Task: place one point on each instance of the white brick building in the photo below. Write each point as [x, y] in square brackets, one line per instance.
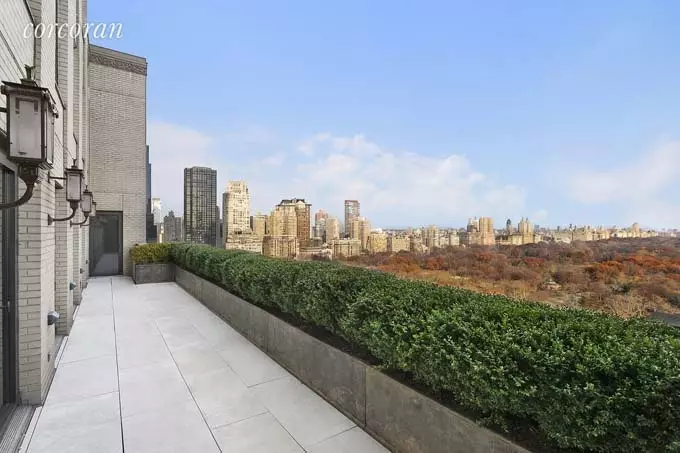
[101, 127]
[117, 100]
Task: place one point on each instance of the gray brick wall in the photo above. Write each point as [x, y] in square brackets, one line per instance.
[48, 255]
[117, 140]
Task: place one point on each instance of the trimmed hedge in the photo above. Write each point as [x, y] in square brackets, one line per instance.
[150, 253]
[585, 381]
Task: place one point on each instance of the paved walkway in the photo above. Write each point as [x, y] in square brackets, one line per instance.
[149, 369]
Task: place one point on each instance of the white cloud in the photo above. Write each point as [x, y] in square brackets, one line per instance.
[539, 216]
[400, 188]
[250, 134]
[639, 180]
[171, 149]
[394, 188]
[646, 189]
[273, 160]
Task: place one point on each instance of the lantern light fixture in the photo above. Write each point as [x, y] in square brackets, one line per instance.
[88, 206]
[74, 190]
[30, 111]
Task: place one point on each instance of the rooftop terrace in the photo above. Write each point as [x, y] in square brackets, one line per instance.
[149, 369]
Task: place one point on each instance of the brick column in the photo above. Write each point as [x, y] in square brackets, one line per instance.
[36, 267]
[76, 257]
[64, 265]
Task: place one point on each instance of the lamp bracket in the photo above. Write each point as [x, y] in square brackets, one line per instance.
[81, 223]
[30, 176]
[51, 219]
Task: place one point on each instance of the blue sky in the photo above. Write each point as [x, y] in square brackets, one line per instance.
[425, 111]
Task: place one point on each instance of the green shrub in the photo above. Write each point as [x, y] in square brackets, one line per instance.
[150, 253]
[585, 381]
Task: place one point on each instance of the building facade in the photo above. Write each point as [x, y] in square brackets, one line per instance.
[332, 230]
[344, 248]
[281, 246]
[320, 218]
[156, 210]
[172, 228]
[117, 164]
[46, 265]
[352, 210]
[396, 244]
[377, 242]
[258, 224]
[236, 206]
[200, 194]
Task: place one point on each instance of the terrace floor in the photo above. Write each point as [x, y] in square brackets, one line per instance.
[149, 369]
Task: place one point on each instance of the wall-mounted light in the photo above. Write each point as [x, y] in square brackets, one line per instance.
[30, 113]
[74, 190]
[88, 206]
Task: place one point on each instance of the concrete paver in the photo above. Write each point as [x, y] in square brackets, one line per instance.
[149, 369]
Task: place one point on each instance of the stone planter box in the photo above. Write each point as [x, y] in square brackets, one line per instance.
[402, 419]
[153, 273]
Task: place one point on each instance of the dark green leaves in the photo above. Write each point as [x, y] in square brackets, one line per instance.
[586, 381]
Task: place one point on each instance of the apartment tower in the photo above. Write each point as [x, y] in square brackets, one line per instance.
[351, 211]
[236, 206]
[200, 199]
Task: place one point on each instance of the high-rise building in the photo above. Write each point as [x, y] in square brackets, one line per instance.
[156, 210]
[219, 242]
[479, 232]
[281, 246]
[258, 224]
[151, 230]
[200, 199]
[431, 236]
[397, 244]
[332, 229]
[343, 248]
[352, 210]
[283, 220]
[303, 213]
[320, 218]
[377, 242]
[363, 230]
[236, 206]
[172, 228]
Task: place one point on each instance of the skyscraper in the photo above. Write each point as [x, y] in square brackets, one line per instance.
[236, 206]
[151, 230]
[258, 223]
[200, 199]
[332, 229]
[172, 228]
[303, 212]
[219, 241]
[156, 210]
[351, 211]
[320, 218]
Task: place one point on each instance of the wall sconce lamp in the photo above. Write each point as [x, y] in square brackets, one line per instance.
[88, 207]
[74, 190]
[30, 113]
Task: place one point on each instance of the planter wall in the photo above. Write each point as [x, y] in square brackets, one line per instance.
[153, 273]
[404, 420]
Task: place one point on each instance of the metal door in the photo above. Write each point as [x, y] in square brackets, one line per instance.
[106, 243]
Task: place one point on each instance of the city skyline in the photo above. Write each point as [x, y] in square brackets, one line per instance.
[340, 214]
[565, 114]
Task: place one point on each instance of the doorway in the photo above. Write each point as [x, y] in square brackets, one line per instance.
[106, 243]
